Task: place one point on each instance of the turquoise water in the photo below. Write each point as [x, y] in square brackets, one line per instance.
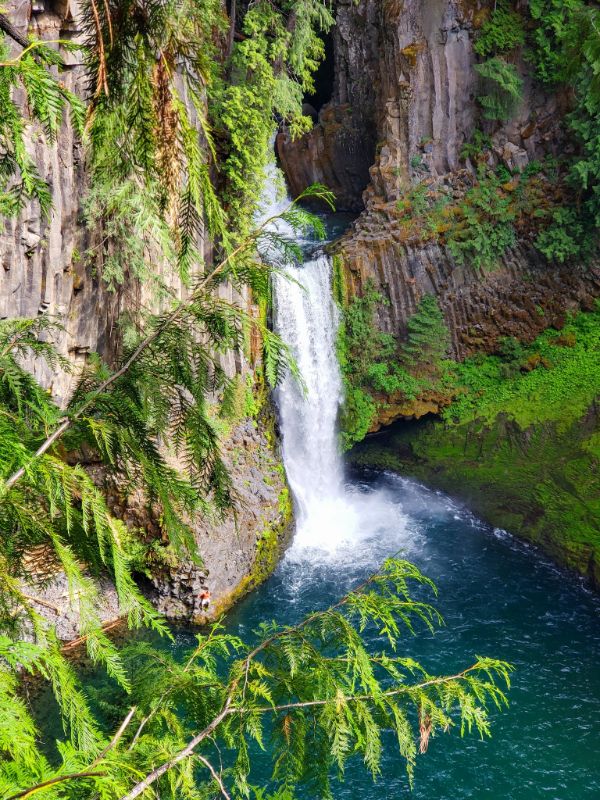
[498, 598]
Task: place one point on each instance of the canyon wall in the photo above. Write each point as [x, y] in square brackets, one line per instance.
[405, 92]
[405, 99]
[54, 266]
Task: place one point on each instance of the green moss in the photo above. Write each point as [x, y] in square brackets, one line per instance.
[564, 380]
[522, 449]
[540, 483]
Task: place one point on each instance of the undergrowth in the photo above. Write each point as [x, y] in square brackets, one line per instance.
[554, 379]
[497, 209]
[375, 366]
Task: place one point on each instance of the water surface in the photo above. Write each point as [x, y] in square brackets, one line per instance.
[498, 598]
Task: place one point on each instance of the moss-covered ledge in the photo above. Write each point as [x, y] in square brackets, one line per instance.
[540, 482]
[270, 544]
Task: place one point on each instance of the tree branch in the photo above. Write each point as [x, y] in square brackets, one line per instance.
[10, 30]
[361, 697]
[215, 775]
[114, 741]
[61, 779]
[228, 709]
[187, 751]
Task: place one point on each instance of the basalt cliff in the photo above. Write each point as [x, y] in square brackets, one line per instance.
[53, 265]
[398, 111]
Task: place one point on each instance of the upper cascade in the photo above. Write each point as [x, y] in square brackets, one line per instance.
[307, 319]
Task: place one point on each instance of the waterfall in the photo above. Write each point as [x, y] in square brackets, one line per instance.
[306, 318]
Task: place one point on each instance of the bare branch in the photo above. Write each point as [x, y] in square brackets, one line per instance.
[113, 742]
[8, 28]
[187, 751]
[215, 775]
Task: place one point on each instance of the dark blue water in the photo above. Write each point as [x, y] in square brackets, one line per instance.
[499, 598]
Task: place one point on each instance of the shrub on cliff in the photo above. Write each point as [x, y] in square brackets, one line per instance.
[483, 227]
[376, 368]
[502, 32]
[564, 46]
[501, 88]
[428, 337]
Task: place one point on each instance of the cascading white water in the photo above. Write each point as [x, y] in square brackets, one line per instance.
[330, 519]
[307, 320]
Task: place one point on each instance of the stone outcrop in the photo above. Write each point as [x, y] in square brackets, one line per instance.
[341, 148]
[238, 550]
[521, 297]
[241, 549]
[405, 88]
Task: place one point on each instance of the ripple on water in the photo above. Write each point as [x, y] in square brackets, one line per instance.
[498, 597]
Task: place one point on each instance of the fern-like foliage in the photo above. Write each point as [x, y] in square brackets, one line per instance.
[152, 407]
[312, 695]
[565, 49]
[47, 101]
[502, 88]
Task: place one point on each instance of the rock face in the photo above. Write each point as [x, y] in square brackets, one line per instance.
[238, 550]
[341, 148]
[241, 549]
[44, 270]
[521, 297]
[405, 78]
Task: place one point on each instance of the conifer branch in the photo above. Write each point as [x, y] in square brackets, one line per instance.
[229, 709]
[359, 698]
[174, 316]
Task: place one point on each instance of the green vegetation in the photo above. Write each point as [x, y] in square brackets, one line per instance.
[502, 88]
[561, 41]
[427, 339]
[554, 379]
[47, 100]
[501, 32]
[554, 27]
[374, 367]
[314, 690]
[501, 35]
[565, 49]
[170, 149]
[480, 226]
[485, 226]
[520, 442]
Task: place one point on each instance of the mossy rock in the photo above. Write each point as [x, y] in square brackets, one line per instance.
[541, 483]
